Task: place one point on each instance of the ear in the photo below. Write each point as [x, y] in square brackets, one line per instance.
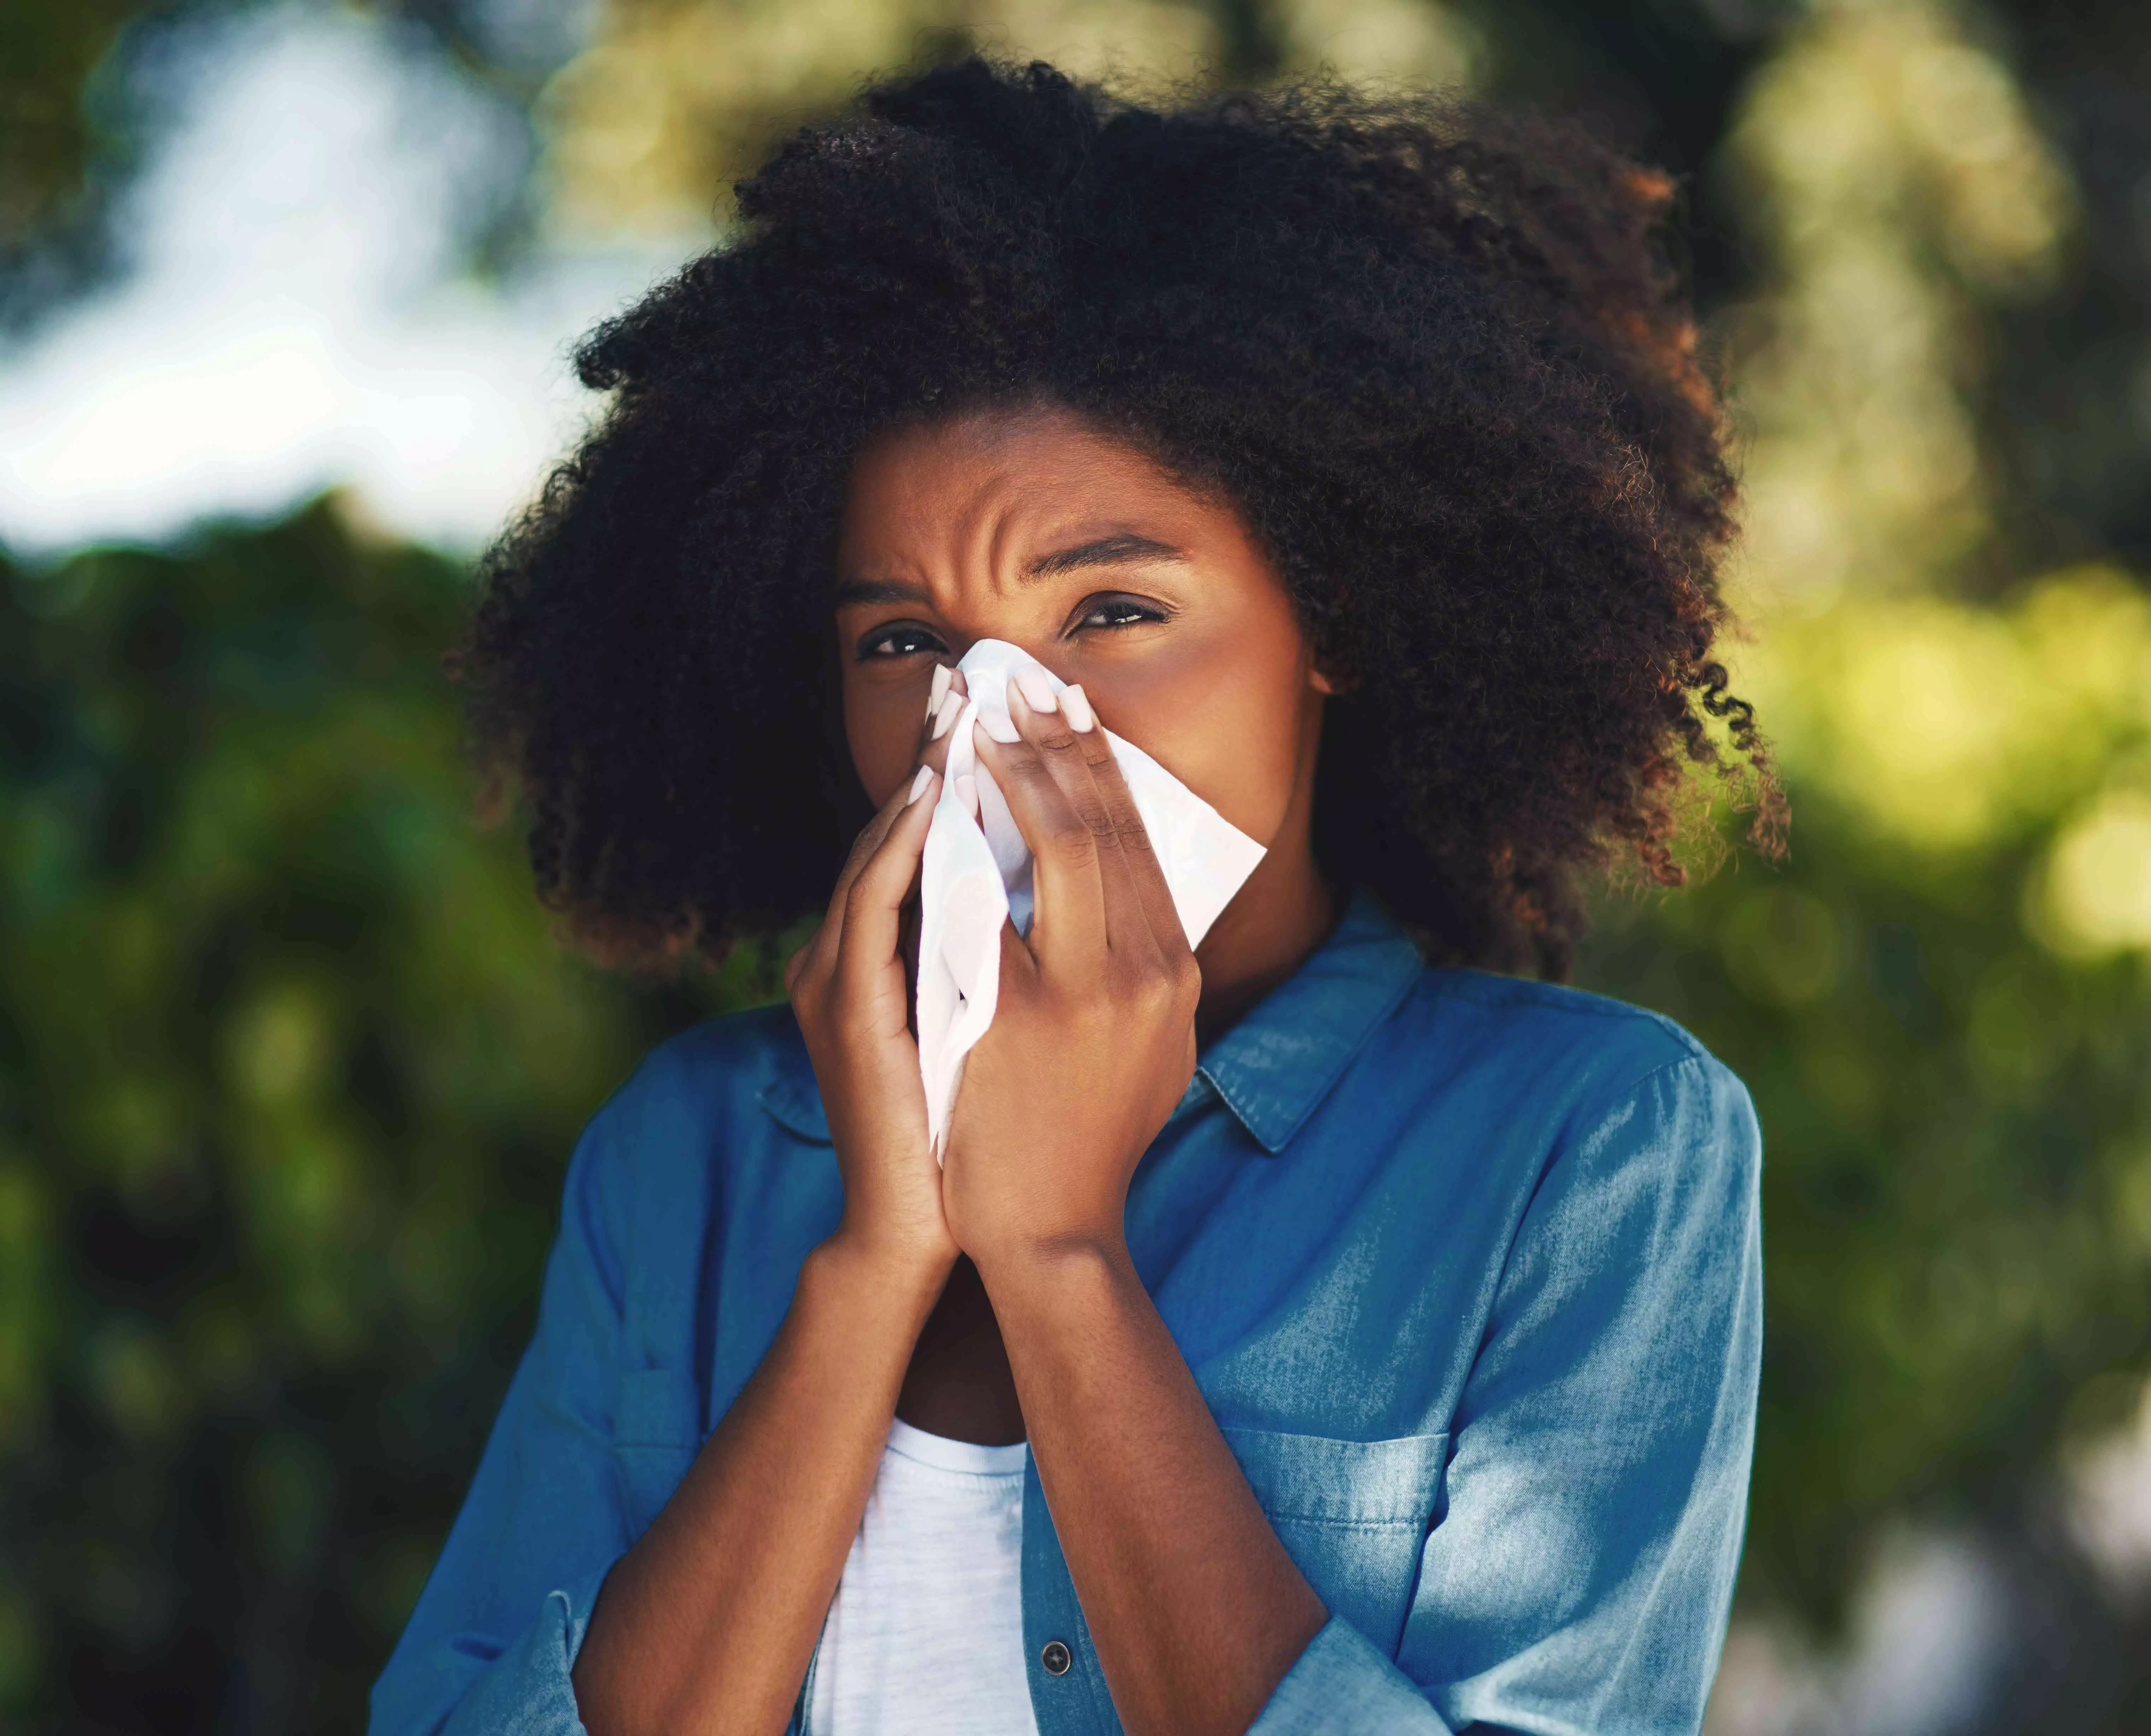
[1322, 681]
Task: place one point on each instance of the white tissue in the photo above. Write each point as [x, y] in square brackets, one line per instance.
[977, 873]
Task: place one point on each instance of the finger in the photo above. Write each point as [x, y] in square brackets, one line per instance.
[795, 965]
[1145, 872]
[1019, 966]
[831, 935]
[875, 901]
[944, 701]
[1060, 749]
[1069, 899]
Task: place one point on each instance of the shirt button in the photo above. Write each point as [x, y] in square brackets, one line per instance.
[1056, 1658]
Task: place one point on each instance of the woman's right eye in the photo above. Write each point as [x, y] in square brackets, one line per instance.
[899, 639]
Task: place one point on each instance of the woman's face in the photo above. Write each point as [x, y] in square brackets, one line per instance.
[1028, 526]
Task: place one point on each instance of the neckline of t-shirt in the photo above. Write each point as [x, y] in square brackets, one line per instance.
[943, 1453]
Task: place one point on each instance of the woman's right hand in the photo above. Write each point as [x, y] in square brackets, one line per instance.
[850, 990]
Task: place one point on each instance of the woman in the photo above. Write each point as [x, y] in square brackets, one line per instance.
[1314, 1332]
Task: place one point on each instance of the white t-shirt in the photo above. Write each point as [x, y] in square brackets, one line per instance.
[925, 1638]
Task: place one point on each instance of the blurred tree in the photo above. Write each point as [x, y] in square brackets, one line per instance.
[289, 1070]
[85, 89]
[59, 150]
[675, 99]
[47, 140]
[1942, 1004]
[1897, 191]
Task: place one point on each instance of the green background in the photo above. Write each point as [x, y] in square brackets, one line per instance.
[290, 1063]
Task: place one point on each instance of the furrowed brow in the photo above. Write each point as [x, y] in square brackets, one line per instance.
[1107, 551]
[856, 591]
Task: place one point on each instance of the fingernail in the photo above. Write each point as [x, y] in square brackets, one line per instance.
[919, 785]
[1075, 703]
[1036, 687]
[951, 704]
[967, 792]
[939, 690]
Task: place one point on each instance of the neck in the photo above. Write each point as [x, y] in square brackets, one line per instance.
[1284, 912]
[1274, 921]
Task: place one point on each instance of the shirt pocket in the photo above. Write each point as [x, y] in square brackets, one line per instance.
[1353, 1514]
[655, 1440]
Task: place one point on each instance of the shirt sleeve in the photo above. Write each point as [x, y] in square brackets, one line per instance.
[1579, 1574]
[496, 1631]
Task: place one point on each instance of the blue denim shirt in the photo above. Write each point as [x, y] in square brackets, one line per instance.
[1468, 1269]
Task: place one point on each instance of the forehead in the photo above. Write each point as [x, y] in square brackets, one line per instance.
[1007, 479]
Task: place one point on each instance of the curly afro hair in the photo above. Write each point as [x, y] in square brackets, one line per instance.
[1432, 351]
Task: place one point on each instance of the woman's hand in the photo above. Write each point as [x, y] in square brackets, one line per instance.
[1196, 1608]
[708, 1621]
[1093, 1040]
[850, 990]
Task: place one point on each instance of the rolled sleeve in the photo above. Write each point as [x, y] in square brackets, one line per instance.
[529, 1687]
[494, 1638]
[1341, 1685]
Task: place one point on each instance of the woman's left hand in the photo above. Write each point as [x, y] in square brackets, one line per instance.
[1093, 1040]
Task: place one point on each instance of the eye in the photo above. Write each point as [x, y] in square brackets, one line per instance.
[1119, 611]
[899, 639]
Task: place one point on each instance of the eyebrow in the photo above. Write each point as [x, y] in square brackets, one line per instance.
[1124, 550]
[852, 591]
[1104, 551]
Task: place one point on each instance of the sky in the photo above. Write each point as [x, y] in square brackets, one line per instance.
[294, 310]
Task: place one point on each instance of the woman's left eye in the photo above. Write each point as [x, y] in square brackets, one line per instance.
[1118, 612]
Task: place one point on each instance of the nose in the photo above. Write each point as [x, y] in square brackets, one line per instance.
[1040, 642]
[975, 598]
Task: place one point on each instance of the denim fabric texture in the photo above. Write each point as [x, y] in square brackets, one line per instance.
[1468, 1268]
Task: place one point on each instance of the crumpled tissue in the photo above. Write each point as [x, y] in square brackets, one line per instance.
[976, 874]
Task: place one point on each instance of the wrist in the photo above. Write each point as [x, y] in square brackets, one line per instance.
[894, 1279]
[1051, 1265]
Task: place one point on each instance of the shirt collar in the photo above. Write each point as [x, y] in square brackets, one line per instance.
[793, 1101]
[1273, 1067]
[1281, 1059]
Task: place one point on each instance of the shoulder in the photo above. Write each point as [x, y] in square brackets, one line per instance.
[710, 1066]
[1566, 1069]
[1629, 1157]
[1555, 1037]
[697, 1097]
[1514, 1010]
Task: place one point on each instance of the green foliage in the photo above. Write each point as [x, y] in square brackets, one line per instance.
[290, 1067]
[47, 143]
[1942, 1004]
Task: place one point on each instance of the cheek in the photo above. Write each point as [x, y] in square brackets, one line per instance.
[1226, 723]
[1250, 760]
[881, 724]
